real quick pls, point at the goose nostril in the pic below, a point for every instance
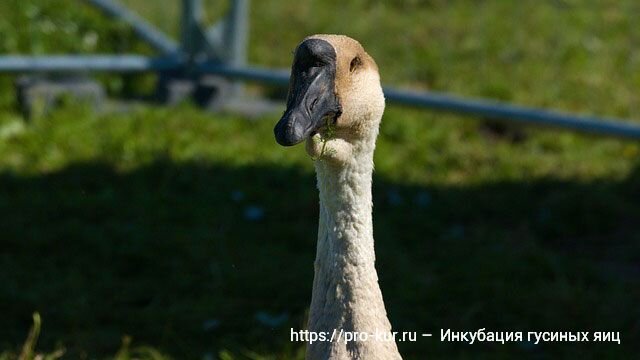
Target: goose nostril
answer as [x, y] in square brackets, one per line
[313, 104]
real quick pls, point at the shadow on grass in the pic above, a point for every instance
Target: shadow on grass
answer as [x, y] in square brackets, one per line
[184, 256]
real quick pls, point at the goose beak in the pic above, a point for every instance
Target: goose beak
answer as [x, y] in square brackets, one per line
[312, 95]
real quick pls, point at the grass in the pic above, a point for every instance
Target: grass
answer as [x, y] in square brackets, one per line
[172, 233]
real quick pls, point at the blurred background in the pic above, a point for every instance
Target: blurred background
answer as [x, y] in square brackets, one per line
[149, 231]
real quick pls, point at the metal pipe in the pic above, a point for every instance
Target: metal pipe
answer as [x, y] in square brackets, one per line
[236, 34]
[430, 100]
[443, 102]
[191, 18]
[502, 111]
[86, 63]
[142, 28]
[272, 77]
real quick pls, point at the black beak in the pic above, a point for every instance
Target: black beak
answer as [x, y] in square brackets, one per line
[312, 96]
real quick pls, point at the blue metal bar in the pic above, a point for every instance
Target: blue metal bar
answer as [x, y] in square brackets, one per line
[443, 102]
[149, 33]
[82, 63]
[190, 38]
[501, 111]
[268, 76]
[431, 100]
[236, 36]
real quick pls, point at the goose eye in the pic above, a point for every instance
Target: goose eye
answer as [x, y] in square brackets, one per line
[355, 63]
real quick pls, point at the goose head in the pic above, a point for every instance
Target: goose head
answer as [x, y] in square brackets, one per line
[334, 85]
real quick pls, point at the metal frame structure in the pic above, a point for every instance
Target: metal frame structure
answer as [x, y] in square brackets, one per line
[220, 50]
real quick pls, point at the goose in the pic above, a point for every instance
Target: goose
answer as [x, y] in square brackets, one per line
[335, 104]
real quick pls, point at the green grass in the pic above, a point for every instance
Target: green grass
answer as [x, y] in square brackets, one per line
[164, 233]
